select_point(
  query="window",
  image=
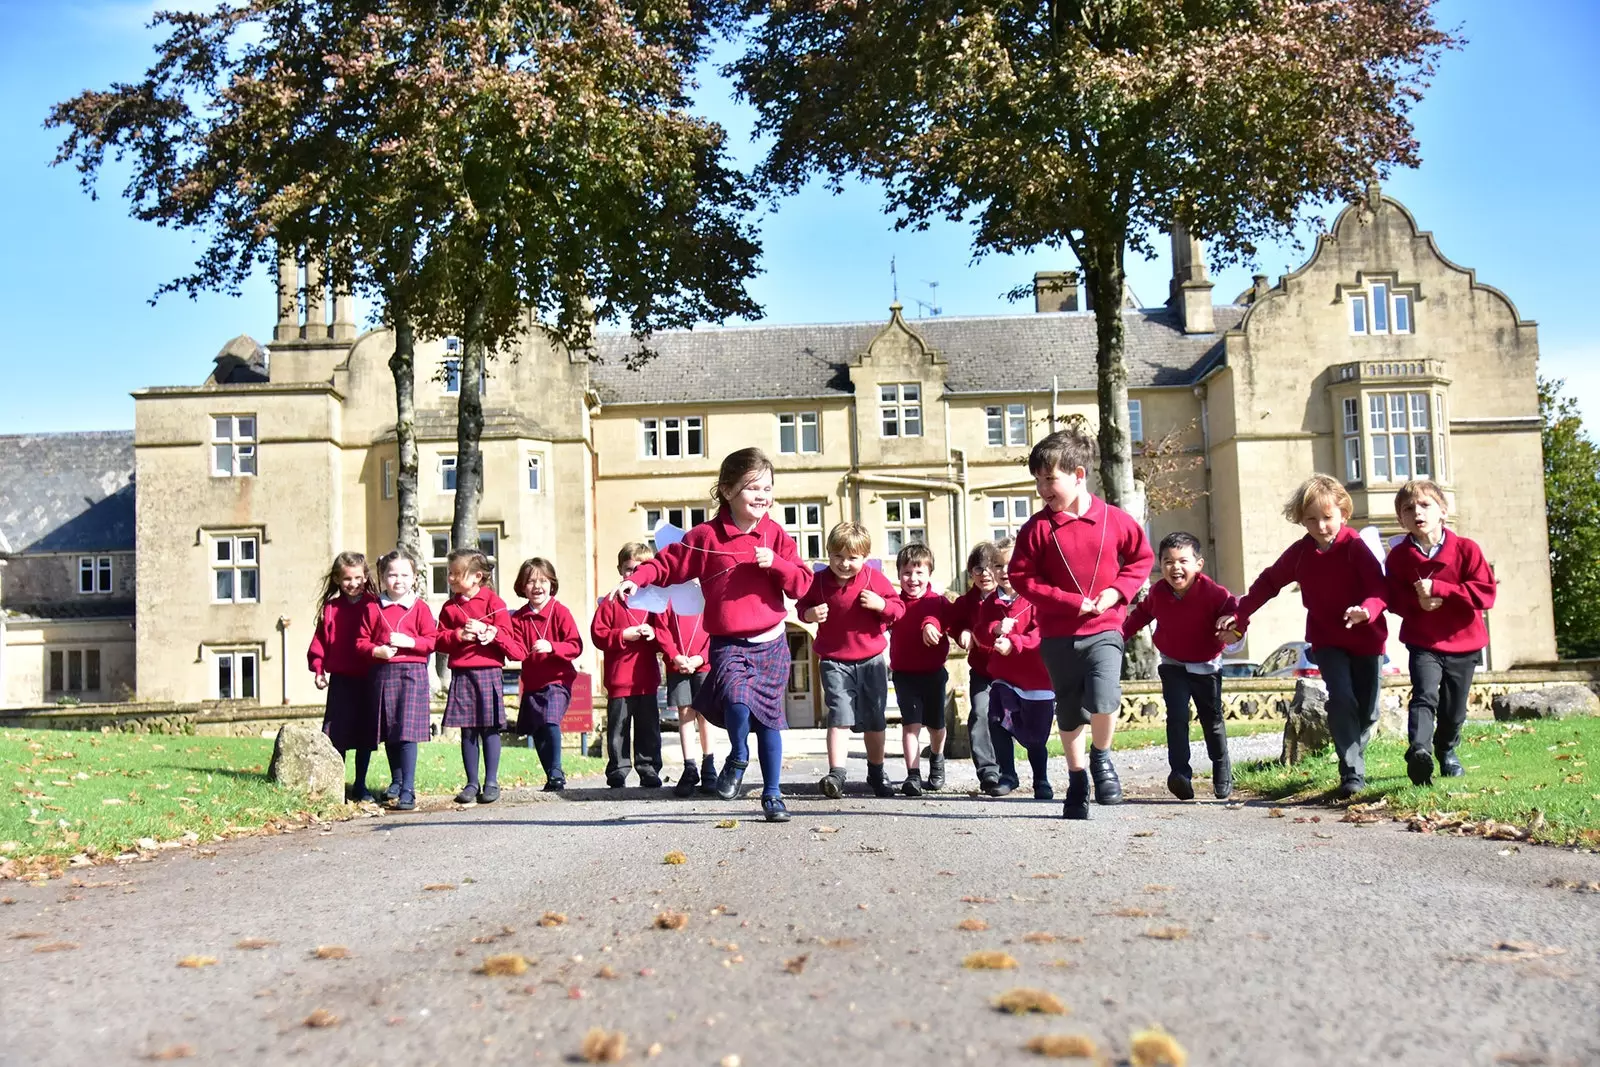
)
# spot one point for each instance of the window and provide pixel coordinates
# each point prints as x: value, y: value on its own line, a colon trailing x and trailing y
x: 1007, y: 424
x: 797, y: 433
x: 1403, y: 442
x: 452, y: 369
x: 388, y: 479
x: 673, y: 438
x: 94, y: 574
x: 900, y: 407
x: 1351, y: 424
x: 74, y: 670
x: 447, y: 474
x: 904, y: 522
x: 233, y: 445
x: 1007, y: 514
x: 1380, y: 309
x: 535, y: 474
x: 1135, y: 422
x: 237, y: 676
x: 438, y: 562
x: 804, y: 524
x: 683, y: 517
x: 1358, y: 314
x: 235, y: 569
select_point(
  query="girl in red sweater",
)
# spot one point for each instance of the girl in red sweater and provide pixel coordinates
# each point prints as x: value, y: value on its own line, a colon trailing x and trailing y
x: 686, y: 650
x: 747, y: 565
x: 1341, y: 585
x: 544, y: 636
x: 399, y: 632
x: 1022, y: 700
x: 351, y: 718
x: 469, y: 631
x: 985, y: 582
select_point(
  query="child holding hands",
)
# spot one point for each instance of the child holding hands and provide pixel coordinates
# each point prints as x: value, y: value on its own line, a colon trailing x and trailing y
x: 469, y: 630
x: 1022, y: 703
x: 398, y: 632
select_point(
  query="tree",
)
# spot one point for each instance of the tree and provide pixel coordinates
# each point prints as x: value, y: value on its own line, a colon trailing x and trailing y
x: 1091, y: 123
x: 485, y: 168
x: 1572, y: 511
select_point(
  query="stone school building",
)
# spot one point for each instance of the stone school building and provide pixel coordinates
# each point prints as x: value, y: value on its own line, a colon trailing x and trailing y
x: 182, y: 562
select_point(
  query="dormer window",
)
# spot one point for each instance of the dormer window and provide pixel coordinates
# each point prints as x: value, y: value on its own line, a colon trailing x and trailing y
x: 1380, y: 308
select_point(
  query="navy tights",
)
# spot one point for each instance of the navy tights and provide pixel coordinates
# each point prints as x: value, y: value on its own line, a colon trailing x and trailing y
x: 769, y: 745
x: 491, y: 755
x: 403, y: 765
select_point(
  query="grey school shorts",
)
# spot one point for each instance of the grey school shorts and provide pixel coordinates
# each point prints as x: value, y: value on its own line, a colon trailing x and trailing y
x: 1087, y: 675
x: 683, y: 688
x: 857, y: 694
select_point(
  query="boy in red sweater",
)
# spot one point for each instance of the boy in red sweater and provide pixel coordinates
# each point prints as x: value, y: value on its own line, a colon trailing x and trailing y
x: 1440, y: 585
x: 1341, y: 585
x: 1080, y: 561
x: 918, y: 646
x: 627, y: 637
x: 852, y: 605
x: 1186, y: 605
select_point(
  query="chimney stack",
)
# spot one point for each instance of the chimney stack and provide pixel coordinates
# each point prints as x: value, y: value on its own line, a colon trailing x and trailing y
x: 1190, y: 293
x: 288, y: 327
x: 1055, y: 290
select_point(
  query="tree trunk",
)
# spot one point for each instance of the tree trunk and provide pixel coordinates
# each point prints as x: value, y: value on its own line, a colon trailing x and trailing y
x: 469, y: 432
x: 1103, y: 275
x: 403, y: 366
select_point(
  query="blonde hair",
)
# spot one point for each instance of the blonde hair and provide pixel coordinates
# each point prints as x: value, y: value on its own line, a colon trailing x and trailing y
x: 1419, y: 487
x: 849, y: 538
x: 331, y: 586
x: 634, y: 550
x: 1318, y: 489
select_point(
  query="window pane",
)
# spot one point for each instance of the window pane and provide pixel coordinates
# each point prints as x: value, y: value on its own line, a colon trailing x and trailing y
x: 74, y: 670
x: 1380, y: 309
x: 918, y: 535
x: 246, y: 459
x: 1135, y: 421
x: 1419, y: 411
x: 913, y: 510
x: 891, y: 510
x: 1402, y: 457
x: 105, y: 574
x: 672, y: 445
x: 247, y: 584
x: 1402, y: 313
x: 91, y: 669
x: 911, y: 392
x: 997, y: 510
x: 1422, y: 462
x: 791, y: 514
x: 894, y: 542
x: 57, y: 672
x: 1397, y: 411
x: 697, y: 516
x: 488, y: 543
x: 440, y: 545
x: 675, y: 517
x: 1380, y: 459
x: 225, y: 585
x: 246, y: 428
x: 651, y: 443
x: 222, y: 459
x: 996, y: 431
x: 808, y: 434
x: 888, y: 394
x: 447, y: 479
x: 693, y: 446
x: 441, y: 579
x: 813, y: 514
x: 913, y: 419
x: 891, y: 424
x: 247, y: 549
x: 85, y: 575
x: 225, y: 677
x: 1017, y: 424
x: 1020, y: 506
x: 1352, y: 459
x: 222, y: 428
x: 1377, y: 412
x: 1352, y: 416
x: 813, y: 546
x: 1358, y: 314
x: 786, y: 442
x: 224, y: 547
x: 247, y: 676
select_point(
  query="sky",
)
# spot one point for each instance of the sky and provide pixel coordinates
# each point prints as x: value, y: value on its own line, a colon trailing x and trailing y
x: 1510, y: 136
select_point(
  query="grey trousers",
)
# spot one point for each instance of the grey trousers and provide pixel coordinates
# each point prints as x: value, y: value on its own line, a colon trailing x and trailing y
x: 1354, y: 685
x: 978, y: 727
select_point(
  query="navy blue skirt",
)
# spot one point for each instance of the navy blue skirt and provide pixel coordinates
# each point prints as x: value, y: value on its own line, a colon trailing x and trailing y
x: 351, y: 718
x: 543, y: 707
x: 1029, y: 721
x: 476, y: 701
x: 402, y: 693
x: 745, y: 672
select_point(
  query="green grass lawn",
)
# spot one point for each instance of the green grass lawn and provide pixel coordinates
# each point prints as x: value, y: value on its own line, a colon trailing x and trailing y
x: 1537, y: 774
x: 1143, y: 736
x: 68, y: 793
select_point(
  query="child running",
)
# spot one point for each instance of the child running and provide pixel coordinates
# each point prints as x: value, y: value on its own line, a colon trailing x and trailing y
x: 1342, y: 587
x: 1186, y: 605
x: 351, y: 718
x: 1440, y: 585
x: 853, y: 605
x: 1022, y: 704
x: 1081, y: 561
x: 686, y: 650
x: 469, y: 627
x: 544, y: 636
x: 628, y: 637
x: 918, y: 647
x: 746, y: 565
x: 398, y: 631
x: 985, y: 582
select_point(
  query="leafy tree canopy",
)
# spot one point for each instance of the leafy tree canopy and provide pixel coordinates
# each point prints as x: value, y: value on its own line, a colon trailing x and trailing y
x: 1572, y: 510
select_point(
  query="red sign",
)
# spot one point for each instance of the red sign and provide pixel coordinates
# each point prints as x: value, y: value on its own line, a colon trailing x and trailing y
x: 579, y: 718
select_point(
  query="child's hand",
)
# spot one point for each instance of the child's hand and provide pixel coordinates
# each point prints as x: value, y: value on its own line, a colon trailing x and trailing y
x: 1355, y: 617
x: 624, y: 590
x: 681, y: 664
x: 1106, y: 601
x: 384, y: 652
x: 930, y: 634
x: 643, y: 632
x: 965, y: 640
x: 473, y: 627
x: 1424, y: 587
x: 1430, y: 603
x: 542, y: 647
x: 871, y: 601
x: 1086, y: 607
x: 1228, y: 624
x: 1007, y: 624
x: 818, y: 613
x: 487, y: 634
x: 399, y: 640
x: 322, y: 679
x: 694, y: 663
x: 764, y: 557
x: 1002, y: 645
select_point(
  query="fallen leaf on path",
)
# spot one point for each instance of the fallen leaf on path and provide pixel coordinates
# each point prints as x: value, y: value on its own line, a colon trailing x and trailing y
x: 1045, y: 874
x: 1528, y: 948
x: 253, y: 943
x: 653, y: 1051
x: 56, y: 946
x: 1026, y: 1001
x: 1156, y: 1048
x: 1167, y: 933
x: 725, y: 824
x: 1144, y: 833
x: 28, y: 935
x: 797, y: 964
x: 1153, y: 888
x: 1062, y: 1046
x: 1131, y: 912
x: 196, y: 962
x: 1039, y: 937
x: 505, y: 965
x: 1274, y: 813
x: 320, y: 1019
x: 331, y: 952
x: 671, y: 920
x: 552, y: 918
x: 172, y: 1052
x: 438, y: 887
x: 838, y: 942
x: 977, y: 900
x: 671, y: 859
x: 972, y: 924
x: 990, y: 961
x: 487, y: 939
x: 1576, y: 887
x: 824, y: 829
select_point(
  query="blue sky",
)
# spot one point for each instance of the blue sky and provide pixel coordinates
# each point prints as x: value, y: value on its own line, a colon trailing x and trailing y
x: 1510, y: 139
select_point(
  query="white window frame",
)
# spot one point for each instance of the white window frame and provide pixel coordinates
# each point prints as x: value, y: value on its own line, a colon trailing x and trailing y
x: 1005, y: 425
x: 94, y: 575
x: 672, y: 437
x: 235, y: 555
x: 234, y: 439
x: 1393, y: 448
x: 1382, y: 308
x: 387, y: 488
x: 1350, y: 424
x: 448, y: 474
x: 1006, y: 513
x: 436, y: 567
x: 60, y: 664
x: 450, y: 369
x: 905, y: 520
x: 535, y: 469
x: 900, y: 409
x: 683, y: 516
x: 804, y: 521
x: 796, y: 425
x: 230, y: 680
x: 1135, y: 421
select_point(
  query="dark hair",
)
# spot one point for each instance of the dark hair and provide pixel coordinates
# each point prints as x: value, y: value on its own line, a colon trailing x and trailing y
x: 1065, y: 450
x: 915, y: 552
x: 395, y: 555
x: 634, y: 550
x: 539, y: 565
x: 476, y: 561
x: 330, y: 585
x: 985, y: 556
x: 1181, y: 539
x: 736, y: 467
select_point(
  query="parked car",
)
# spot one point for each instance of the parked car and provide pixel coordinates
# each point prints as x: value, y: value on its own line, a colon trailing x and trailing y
x: 1240, y: 669
x: 1293, y: 660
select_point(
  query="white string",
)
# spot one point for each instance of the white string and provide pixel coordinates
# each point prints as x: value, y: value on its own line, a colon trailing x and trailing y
x: 1099, y: 553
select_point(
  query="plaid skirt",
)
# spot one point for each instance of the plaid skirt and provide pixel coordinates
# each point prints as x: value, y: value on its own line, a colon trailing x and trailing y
x: 401, y: 693
x: 543, y: 707
x: 1028, y: 720
x: 351, y: 718
x: 744, y: 672
x: 476, y: 700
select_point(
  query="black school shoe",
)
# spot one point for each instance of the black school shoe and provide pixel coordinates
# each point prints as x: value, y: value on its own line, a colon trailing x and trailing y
x: 1043, y: 791
x: 616, y: 783
x: 912, y: 786
x: 390, y: 795
x: 468, y: 795
x: 935, y: 773
x: 1179, y: 786
x: 831, y: 785
x: 774, y: 809
x: 708, y: 776
x: 1419, y: 766
x: 731, y: 778
x: 489, y: 794
x: 1222, y: 777
x: 1450, y: 765
x: 649, y: 779
x: 1076, y: 806
x: 554, y: 785
x: 688, y: 781
x: 880, y: 785
x: 1107, y: 786
x: 1349, y: 787
x: 405, y: 802
x: 1000, y: 787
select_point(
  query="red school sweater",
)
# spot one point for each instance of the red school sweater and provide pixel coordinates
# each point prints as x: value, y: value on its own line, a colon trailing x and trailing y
x: 1060, y: 559
x: 851, y: 632
x: 631, y: 669
x: 1346, y: 575
x: 1023, y: 667
x: 466, y: 654
x: 907, y: 652
x: 411, y: 617
x: 684, y: 635
x: 742, y: 599
x: 553, y: 623
x: 1460, y: 575
x: 963, y: 620
x: 333, y: 643
x: 1186, y: 626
